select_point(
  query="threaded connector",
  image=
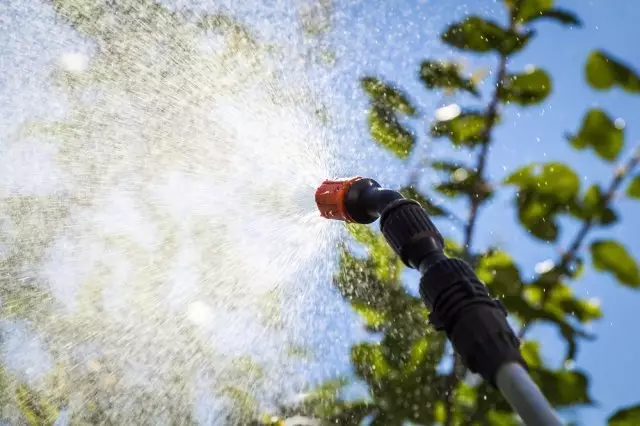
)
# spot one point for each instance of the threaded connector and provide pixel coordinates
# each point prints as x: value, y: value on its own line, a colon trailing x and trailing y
x: 409, y: 231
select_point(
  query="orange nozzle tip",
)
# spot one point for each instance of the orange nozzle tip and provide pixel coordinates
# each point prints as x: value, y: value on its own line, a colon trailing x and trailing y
x: 330, y: 198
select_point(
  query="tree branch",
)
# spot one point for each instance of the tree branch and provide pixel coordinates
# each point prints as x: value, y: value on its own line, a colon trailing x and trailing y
x: 481, y: 162
x: 474, y: 207
x: 562, y: 265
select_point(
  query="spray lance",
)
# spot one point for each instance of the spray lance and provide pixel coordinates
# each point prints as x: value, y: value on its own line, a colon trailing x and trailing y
x: 459, y: 304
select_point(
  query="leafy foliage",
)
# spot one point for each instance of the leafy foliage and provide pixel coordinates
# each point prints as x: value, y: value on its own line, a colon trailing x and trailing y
x: 388, y: 132
x: 625, y: 417
x: 559, y: 15
x: 384, y: 122
x: 387, y: 96
x: 599, y: 132
x: 526, y: 89
x: 633, y: 190
x: 479, y: 35
x: 611, y: 256
x: 36, y: 410
x: 445, y: 75
x: 466, y: 129
x: 603, y: 72
x: 541, y: 196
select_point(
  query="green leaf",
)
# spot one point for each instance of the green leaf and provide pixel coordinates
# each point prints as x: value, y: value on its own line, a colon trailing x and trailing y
x: 498, y: 418
x: 561, y: 302
x: 387, y: 96
x: 388, y: 132
x: 466, y: 129
x: 633, y: 190
x: 599, y: 132
x: 384, y: 263
x: 525, y: 10
x: 479, y: 35
x: 411, y: 193
x: 603, y: 72
x: 563, y: 388
x: 374, y: 319
x: 594, y: 207
x: 445, y: 75
x: 629, y: 416
x: 563, y: 16
x: 526, y: 89
x: 35, y: 410
x: 369, y: 362
x: 464, y: 183
x: 498, y: 271
x: 530, y: 351
x: 543, y: 195
x: 611, y: 256
x: 555, y: 179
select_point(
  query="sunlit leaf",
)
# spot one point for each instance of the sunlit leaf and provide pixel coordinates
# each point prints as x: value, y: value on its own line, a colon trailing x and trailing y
x: 530, y: 351
x: 563, y: 388
x: 388, y: 132
x: 554, y: 178
x: 561, y: 301
x: 500, y: 418
x: 464, y: 183
x: 599, y: 132
x: 542, y: 195
x: 594, y: 207
x: 466, y: 129
x: 629, y: 416
x: 497, y: 269
x: 373, y: 318
x: 558, y: 15
x: 387, y: 96
x: 633, y: 190
x: 385, y: 264
x: 369, y: 362
x: 604, y: 71
x: 527, y: 88
x: 611, y: 256
x: 35, y: 410
x: 445, y: 75
x: 479, y: 35
x: 525, y: 10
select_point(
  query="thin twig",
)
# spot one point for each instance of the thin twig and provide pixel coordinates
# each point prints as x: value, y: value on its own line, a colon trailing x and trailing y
x: 481, y: 162
x: 562, y: 266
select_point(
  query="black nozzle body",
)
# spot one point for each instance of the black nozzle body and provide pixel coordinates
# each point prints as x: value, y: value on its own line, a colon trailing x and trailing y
x: 404, y: 223
x: 366, y: 200
x: 459, y: 303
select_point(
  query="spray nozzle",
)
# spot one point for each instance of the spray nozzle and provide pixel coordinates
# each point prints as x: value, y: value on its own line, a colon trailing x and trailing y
x: 405, y: 225
x: 356, y: 199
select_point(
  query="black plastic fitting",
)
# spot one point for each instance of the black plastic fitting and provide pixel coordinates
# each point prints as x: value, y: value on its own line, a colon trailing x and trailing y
x: 460, y: 304
x: 410, y: 232
x: 366, y: 200
x: 475, y: 323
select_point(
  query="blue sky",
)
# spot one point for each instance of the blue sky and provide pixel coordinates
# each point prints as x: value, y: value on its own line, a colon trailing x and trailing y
x: 390, y: 39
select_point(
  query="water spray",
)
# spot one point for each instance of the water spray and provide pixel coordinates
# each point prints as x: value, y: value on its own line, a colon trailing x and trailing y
x: 460, y: 305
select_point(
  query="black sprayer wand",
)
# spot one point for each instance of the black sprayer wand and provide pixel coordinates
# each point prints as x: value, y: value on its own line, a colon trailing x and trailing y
x: 460, y: 305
